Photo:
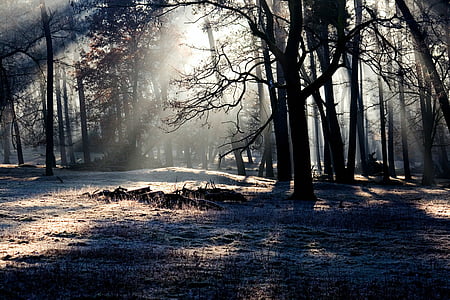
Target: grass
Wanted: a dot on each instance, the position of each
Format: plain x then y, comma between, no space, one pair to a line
381,243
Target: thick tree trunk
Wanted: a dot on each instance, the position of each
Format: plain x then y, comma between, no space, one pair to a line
49,154
354,85
303,184
278,100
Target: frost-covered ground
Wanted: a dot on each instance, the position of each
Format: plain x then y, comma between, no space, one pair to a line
357,242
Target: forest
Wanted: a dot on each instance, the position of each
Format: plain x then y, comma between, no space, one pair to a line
215,149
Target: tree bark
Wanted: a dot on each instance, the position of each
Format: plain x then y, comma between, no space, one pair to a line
354,85
278,100
49,154
83,117
383,131
59,111
362,137
17,139
67,119
238,157
335,137
428,122
6,124
404,129
391,152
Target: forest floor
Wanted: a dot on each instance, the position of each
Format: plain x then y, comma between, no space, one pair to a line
361,241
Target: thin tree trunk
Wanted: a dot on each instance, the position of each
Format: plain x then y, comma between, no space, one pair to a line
279,113
264,115
335,137
317,139
168,153
238,157
83,119
49,154
428,125
6,124
187,155
404,129
362,137
383,131
391,153
67,119
62,142
18,139
249,155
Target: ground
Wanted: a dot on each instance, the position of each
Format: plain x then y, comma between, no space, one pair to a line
362,241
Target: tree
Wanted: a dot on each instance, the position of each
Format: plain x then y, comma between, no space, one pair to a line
49,155
427,58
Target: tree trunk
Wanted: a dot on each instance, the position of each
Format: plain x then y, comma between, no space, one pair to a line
404,128
317,138
62,140
6,124
67,119
362,137
391,152
49,154
17,139
267,160
9,115
83,118
303,185
443,156
354,85
428,119
188,155
335,138
238,157
279,114
168,152
278,99
383,131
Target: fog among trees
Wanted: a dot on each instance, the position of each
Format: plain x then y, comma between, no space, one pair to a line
216,149
328,89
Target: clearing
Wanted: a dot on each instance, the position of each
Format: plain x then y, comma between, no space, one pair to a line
363,241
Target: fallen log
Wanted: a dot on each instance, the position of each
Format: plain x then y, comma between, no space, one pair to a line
157,198
213,194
